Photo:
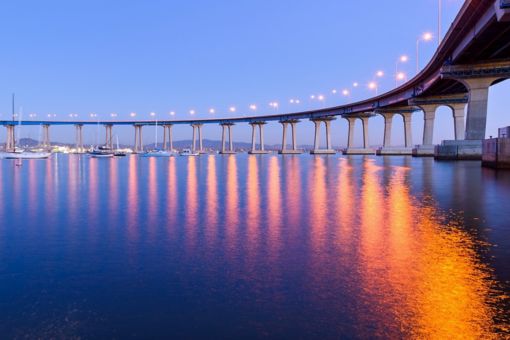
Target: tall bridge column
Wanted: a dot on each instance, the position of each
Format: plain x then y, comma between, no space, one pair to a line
227,127
138,139
285,125
408,131
10,141
427,146
350,132
260,126
388,122
351,149
109,136
167,137
327,122
429,116
45,136
458,121
79,138
476,121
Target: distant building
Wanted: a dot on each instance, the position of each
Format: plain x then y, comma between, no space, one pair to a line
496,151
504,132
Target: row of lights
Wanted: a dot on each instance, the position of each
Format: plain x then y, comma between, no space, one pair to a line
372,85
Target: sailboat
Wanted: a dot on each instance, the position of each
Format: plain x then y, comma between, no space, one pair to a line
20,153
117,152
157,152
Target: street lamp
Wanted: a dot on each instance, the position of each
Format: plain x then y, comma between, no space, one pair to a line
373,86
132,114
402,59
425,37
172,113
192,112
322,99
253,107
232,109
212,111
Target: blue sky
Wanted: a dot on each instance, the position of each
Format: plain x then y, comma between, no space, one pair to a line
80,56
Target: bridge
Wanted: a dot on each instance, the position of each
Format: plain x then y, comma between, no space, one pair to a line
474,55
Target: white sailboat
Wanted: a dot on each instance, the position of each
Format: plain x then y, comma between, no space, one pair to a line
158,152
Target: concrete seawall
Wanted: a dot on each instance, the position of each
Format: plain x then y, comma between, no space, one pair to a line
496,153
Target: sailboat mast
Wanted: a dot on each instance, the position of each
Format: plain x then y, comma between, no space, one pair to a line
13,116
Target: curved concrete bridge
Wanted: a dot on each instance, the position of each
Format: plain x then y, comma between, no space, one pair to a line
474,55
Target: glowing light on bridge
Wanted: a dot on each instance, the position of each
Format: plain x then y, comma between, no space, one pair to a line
192,112
334,91
232,109
380,74
373,86
212,111
401,76
424,37
172,113
132,114
346,92
355,84
274,105
153,114
253,107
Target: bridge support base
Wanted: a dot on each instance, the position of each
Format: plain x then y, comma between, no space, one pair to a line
290,152
459,150
394,151
323,152
258,152
358,151
423,151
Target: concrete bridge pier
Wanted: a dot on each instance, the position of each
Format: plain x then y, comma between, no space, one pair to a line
477,78
225,127
138,147
197,130
108,135
316,147
79,138
261,150
46,136
168,144
10,142
387,148
427,146
351,150
294,149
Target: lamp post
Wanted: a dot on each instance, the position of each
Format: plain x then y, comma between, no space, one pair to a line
373,86
424,37
402,59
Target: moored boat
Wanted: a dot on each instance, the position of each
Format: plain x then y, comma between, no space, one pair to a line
101,152
188,152
158,153
25,155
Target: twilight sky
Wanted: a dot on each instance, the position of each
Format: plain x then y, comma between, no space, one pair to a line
123,56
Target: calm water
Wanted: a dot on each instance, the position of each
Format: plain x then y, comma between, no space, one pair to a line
254,246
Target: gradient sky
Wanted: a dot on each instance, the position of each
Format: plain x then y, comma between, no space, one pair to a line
100,56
